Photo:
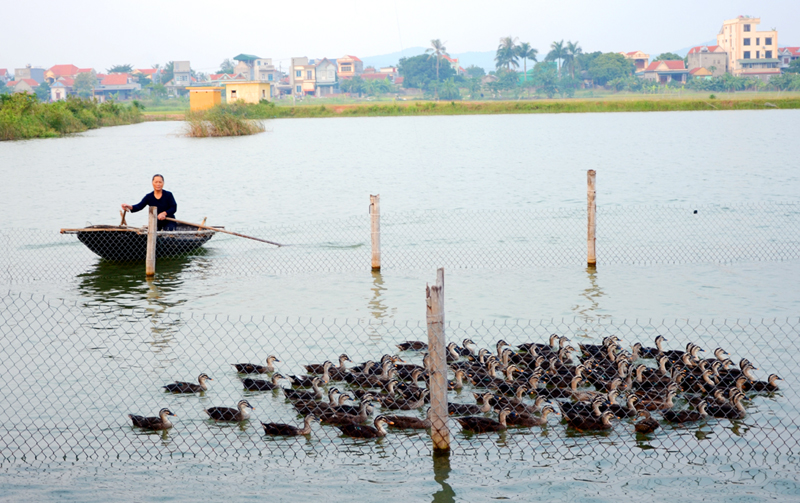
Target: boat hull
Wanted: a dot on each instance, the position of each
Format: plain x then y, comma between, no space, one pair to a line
111,244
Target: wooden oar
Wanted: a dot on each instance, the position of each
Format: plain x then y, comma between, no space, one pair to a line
199,226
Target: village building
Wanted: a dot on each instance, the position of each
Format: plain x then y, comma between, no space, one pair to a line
29,72
251,91
181,79
303,76
326,82
750,53
785,54
349,66
453,62
23,86
710,57
57,71
638,58
60,89
700,73
666,71
119,86
5,77
203,98
152,74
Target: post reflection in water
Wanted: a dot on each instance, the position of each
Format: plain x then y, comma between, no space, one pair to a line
376,304
592,294
441,472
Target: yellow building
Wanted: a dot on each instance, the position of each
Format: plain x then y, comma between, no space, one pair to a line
638,58
247,91
203,98
750,52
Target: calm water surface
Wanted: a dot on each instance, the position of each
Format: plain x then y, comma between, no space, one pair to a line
303,172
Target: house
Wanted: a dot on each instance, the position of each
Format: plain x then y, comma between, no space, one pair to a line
638,58
57,71
203,98
710,57
666,71
5,77
785,54
251,91
29,72
219,78
744,45
152,74
60,89
453,64
326,81
349,66
303,77
23,86
377,76
182,78
763,69
119,86
700,73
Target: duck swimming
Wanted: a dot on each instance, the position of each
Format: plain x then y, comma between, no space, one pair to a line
288,430
153,423
590,423
528,420
252,368
477,424
410,422
768,385
187,387
364,431
412,346
686,416
647,424
241,413
259,385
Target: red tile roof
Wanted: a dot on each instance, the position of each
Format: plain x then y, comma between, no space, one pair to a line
795,51
67,81
147,71
85,70
699,48
671,65
351,57
115,79
3,71
64,70
375,76
448,58
30,82
695,70
399,80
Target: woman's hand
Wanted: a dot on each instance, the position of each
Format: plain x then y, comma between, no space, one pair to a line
162,215
127,207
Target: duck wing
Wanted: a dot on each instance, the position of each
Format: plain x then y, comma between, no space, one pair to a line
258,385
280,429
408,422
223,413
249,368
151,423
359,431
183,387
463,409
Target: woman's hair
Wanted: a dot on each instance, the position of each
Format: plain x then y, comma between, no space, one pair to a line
162,177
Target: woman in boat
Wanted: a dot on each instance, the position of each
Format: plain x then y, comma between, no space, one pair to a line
162,199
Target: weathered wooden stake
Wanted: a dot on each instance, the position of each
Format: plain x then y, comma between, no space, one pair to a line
375,225
437,382
591,258
152,227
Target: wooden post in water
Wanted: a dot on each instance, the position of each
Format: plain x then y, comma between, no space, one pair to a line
591,258
152,228
375,226
437,381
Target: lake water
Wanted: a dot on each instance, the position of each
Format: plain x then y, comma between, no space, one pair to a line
308,182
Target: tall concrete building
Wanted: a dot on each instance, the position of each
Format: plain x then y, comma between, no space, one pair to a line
751,53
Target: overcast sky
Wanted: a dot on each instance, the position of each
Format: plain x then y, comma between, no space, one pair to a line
99,34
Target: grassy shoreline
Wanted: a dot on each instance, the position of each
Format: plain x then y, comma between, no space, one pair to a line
585,105
23,117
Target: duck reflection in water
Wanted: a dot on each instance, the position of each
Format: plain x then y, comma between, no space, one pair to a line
441,472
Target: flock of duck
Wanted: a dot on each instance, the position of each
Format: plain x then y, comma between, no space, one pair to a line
590,388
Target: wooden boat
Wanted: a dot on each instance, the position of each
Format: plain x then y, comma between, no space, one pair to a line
122,243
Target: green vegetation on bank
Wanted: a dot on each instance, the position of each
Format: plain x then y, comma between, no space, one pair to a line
268,111
237,119
22,116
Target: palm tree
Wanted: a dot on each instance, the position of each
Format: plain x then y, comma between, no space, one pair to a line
556,54
526,52
438,49
507,55
571,51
